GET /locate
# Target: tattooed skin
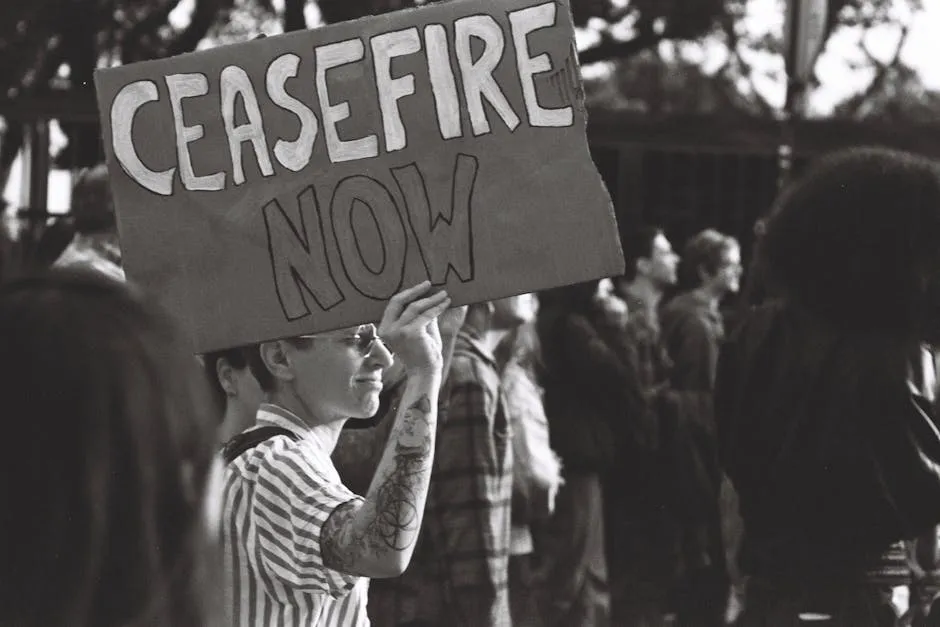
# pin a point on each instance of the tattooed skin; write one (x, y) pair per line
(394, 525)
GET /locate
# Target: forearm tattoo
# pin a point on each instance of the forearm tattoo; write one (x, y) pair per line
(394, 525)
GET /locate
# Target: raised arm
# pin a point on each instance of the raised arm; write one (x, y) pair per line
(375, 537)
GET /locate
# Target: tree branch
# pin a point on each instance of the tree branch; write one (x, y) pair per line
(204, 15)
(747, 72)
(131, 48)
(853, 105)
(615, 49)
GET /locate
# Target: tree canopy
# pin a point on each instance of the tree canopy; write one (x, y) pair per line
(55, 45)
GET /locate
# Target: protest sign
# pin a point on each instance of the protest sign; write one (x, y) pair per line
(292, 184)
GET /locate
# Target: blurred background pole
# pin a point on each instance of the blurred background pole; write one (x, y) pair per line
(35, 182)
(791, 33)
(804, 33)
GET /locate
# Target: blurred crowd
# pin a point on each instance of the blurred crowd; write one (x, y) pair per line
(644, 450)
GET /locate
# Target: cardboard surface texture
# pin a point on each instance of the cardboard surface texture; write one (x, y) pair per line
(292, 184)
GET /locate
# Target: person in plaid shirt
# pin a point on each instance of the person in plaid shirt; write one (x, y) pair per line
(459, 574)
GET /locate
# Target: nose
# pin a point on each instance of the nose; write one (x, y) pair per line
(381, 355)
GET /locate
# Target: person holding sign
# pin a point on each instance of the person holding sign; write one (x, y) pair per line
(299, 546)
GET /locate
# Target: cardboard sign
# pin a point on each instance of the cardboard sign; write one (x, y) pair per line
(293, 184)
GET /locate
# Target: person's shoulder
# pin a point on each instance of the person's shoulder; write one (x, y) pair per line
(470, 378)
(283, 458)
(682, 305)
(467, 367)
(684, 315)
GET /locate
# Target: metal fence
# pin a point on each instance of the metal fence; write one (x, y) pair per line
(694, 173)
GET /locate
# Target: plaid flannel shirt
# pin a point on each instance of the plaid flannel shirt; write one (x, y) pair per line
(459, 575)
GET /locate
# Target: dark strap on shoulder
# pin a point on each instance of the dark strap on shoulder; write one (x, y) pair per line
(249, 439)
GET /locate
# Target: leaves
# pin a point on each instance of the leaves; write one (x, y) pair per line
(49, 44)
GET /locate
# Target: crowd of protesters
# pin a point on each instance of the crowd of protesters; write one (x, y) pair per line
(612, 453)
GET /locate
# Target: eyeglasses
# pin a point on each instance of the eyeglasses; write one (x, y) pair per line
(363, 340)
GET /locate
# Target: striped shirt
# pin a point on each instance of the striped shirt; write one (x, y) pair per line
(277, 497)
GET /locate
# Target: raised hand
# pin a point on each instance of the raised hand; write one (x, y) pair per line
(409, 326)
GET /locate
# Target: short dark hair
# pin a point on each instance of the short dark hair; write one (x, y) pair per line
(92, 206)
(855, 240)
(703, 251)
(259, 369)
(236, 357)
(637, 244)
(576, 297)
(104, 479)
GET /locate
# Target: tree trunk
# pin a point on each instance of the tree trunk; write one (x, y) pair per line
(294, 15)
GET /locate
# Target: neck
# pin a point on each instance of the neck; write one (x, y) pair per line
(329, 433)
(328, 429)
(708, 295)
(643, 290)
(234, 422)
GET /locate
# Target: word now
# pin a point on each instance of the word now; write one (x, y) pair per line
(479, 44)
(298, 250)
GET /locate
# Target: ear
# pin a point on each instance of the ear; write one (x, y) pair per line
(225, 374)
(643, 266)
(276, 359)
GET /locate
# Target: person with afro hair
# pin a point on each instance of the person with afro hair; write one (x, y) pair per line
(824, 398)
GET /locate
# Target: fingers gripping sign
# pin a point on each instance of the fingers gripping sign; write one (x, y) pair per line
(409, 326)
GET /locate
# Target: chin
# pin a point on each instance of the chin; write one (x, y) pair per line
(364, 409)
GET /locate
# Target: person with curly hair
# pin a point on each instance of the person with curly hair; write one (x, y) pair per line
(825, 394)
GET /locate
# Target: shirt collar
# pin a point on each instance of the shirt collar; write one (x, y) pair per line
(699, 300)
(270, 414)
(469, 340)
(635, 304)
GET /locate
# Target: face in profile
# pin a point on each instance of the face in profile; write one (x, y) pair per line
(338, 374)
(728, 275)
(662, 264)
(509, 313)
